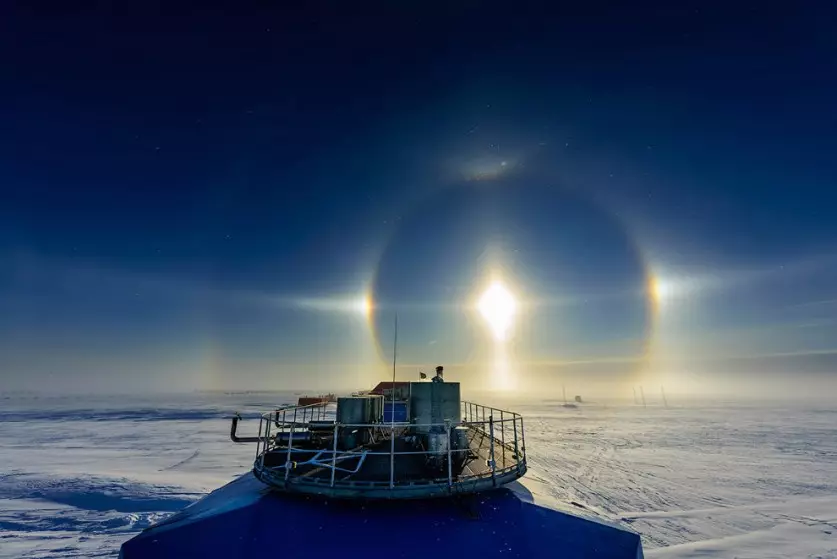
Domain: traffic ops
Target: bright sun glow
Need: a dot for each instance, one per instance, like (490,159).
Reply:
(498,307)
(364,305)
(661,290)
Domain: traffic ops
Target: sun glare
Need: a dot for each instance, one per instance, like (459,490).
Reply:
(660,288)
(364,305)
(497,306)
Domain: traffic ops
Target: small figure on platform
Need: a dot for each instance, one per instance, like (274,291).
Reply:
(440,371)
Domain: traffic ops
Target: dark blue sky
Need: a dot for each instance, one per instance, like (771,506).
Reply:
(201,198)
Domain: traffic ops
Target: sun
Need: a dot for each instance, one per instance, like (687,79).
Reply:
(498,307)
(661,289)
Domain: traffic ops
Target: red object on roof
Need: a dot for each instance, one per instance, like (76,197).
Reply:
(322,399)
(388,386)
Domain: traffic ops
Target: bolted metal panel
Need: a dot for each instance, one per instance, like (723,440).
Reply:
(420,405)
(434,402)
(377,408)
(352,410)
(446,404)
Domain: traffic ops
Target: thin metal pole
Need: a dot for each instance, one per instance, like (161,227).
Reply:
(503,437)
(266,435)
(491,439)
(522,439)
(334,455)
(290,445)
(516,449)
(260,444)
(259,440)
(392,416)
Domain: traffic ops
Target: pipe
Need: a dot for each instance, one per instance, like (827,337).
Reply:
(236,439)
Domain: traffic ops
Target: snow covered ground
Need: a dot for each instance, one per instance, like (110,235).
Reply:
(80,475)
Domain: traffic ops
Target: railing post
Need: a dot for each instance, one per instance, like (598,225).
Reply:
(266,445)
(491,439)
(392,451)
(522,439)
(334,455)
(259,439)
(450,464)
(290,446)
(516,449)
(503,437)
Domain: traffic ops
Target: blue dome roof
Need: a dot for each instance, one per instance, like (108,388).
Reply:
(245,520)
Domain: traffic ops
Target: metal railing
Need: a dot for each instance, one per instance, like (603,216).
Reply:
(495,441)
(290,416)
